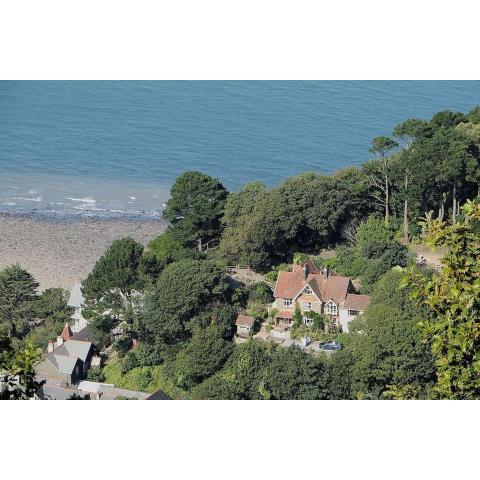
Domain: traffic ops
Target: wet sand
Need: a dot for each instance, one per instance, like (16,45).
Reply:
(59,253)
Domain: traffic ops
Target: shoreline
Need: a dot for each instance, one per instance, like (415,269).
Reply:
(58,252)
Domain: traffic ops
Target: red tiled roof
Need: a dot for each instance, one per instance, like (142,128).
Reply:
(356,302)
(245,321)
(284,314)
(66,332)
(334,287)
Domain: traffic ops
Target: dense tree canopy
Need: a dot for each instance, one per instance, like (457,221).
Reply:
(17,295)
(185,289)
(195,208)
(388,348)
(204,355)
(113,278)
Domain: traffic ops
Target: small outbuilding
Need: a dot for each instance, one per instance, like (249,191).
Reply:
(244,325)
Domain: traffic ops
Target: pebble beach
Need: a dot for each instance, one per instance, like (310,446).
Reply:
(59,253)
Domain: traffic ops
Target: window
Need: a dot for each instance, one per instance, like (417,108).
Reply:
(331,308)
(307,290)
(353,313)
(308,321)
(307,306)
(287,302)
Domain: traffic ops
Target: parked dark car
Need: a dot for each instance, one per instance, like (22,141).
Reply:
(330,346)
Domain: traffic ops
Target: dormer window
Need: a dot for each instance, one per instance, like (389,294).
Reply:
(287,302)
(307,290)
(330,308)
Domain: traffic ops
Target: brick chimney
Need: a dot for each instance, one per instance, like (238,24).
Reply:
(305,271)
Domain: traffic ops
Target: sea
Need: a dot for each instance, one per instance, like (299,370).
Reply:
(110,149)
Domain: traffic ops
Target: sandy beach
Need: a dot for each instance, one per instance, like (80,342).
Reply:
(57,254)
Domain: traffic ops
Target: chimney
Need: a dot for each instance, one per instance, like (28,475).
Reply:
(305,272)
(325,273)
(50,347)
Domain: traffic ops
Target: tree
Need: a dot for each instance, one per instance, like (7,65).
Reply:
(17,372)
(220,314)
(195,208)
(113,279)
(216,387)
(242,240)
(50,313)
(167,248)
(95,374)
(17,294)
(453,299)
(184,290)
(386,343)
(379,171)
(338,375)
(292,375)
(204,355)
(406,133)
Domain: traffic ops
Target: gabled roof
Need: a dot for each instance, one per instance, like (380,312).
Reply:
(63,363)
(85,335)
(335,288)
(75,349)
(356,302)
(66,332)
(158,395)
(245,321)
(291,284)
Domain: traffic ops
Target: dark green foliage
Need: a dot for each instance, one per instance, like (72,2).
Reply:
(204,355)
(375,253)
(293,374)
(447,119)
(51,312)
(222,315)
(184,290)
(216,388)
(389,349)
(17,295)
(122,345)
(113,278)
(338,375)
(101,328)
(95,374)
(167,249)
(260,292)
(195,208)
(303,213)
(241,376)
(76,396)
(116,269)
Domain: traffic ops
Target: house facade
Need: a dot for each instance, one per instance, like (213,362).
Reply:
(318,291)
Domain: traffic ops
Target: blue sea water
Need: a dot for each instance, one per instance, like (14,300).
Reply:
(114,148)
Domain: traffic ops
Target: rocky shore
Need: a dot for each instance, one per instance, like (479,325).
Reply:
(58,253)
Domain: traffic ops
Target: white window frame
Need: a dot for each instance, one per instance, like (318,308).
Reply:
(353,313)
(308,321)
(307,290)
(287,302)
(307,306)
(331,308)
